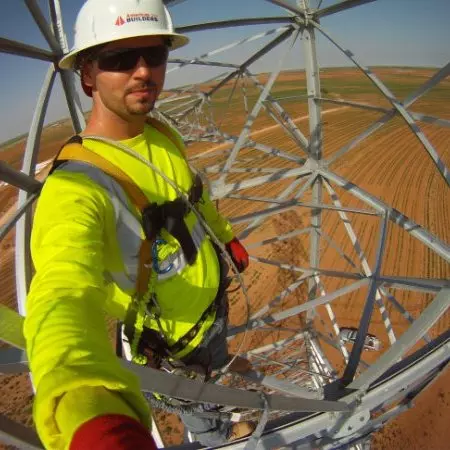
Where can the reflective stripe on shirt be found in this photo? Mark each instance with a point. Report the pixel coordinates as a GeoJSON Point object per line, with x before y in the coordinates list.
{"type": "Point", "coordinates": [129, 230]}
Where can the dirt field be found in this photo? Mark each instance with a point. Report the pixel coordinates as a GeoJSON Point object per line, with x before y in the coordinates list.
{"type": "Point", "coordinates": [390, 165]}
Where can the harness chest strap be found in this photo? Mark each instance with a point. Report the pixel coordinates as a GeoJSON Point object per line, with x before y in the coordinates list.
{"type": "Point", "coordinates": [166, 131]}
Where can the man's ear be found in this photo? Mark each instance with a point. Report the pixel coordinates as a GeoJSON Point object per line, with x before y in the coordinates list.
{"type": "Point", "coordinates": [87, 77]}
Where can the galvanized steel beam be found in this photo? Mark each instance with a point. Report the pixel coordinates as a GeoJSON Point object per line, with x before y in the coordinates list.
{"type": "Point", "coordinates": [254, 225]}
{"type": "Point", "coordinates": [267, 48]}
{"type": "Point", "coordinates": [228, 47]}
{"type": "Point", "coordinates": [153, 380]}
{"type": "Point", "coordinates": [13, 360]}
{"type": "Point", "coordinates": [18, 435]}
{"type": "Point", "coordinates": [300, 430]}
{"type": "Point", "coordinates": [441, 74]}
{"type": "Point", "coordinates": [219, 191]}
{"type": "Point", "coordinates": [279, 238]}
{"type": "Point", "coordinates": [398, 306]}
{"type": "Point", "coordinates": [276, 346]}
{"type": "Point", "coordinates": [315, 147]}
{"type": "Point", "coordinates": [416, 116]}
{"type": "Point", "coordinates": [279, 385]}
{"type": "Point", "coordinates": [196, 62]}
{"type": "Point", "coordinates": [20, 49]}
{"type": "Point", "coordinates": [293, 130]}
{"type": "Point", "coordinates": [395, 216]}
{"type": "Point", "coordinates": [23, 229]}
{"type": "Point", "coordinates": [233, 23]}
{"type": "Point", "coordinates": [364, 263]}
{"type": "Point", "coordinates": [407, 340]}
{"type": "Point", "coordinates": [258, 105]}
{"type": "Point", "coordinates": [340, 6]}
{"type": "Point", "coordinates": [289, 7]}
{"type": "Point", "coordinates": [363, 326]}
{"type": "Point", "coordinates": [7, 227]}
{"type": "Point", "coordinates": [276, 317]}
{"type": "Point", "coordinates": [284, 293]}
{"type": "Point", "coordinates": [18, 179]}
{"type": "Point", "coordinates": [41, 22]}
{"type": "Point", "coordinates": [273, 210]}
{"type": "Point", "coordinates": [440, 165]}
{"type": "Point", "coordinates": [325, 206]}
{"type": "Point", "coordinates": [67, 76]}
{"type": "Point", "coordinates": [422, 90]}
{"type": "Point", "coordinates": [414, 284]}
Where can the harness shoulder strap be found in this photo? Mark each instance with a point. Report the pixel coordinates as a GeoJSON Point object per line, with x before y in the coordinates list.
{"type": "Point", "coordinates": [76, 152]}
{"type": "Point", "coordinates": [167, 131]}
{"type": "Point", "coordinates": [197, 186]}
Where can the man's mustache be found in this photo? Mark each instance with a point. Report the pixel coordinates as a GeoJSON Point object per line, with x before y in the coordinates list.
{"type": "Point", "coordinates": [141, 87]}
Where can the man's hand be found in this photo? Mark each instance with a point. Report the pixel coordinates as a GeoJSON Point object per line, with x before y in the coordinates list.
{"type": "Point", "coordinates": [112, 432]}
{"type": "Point", "coordinates": [238, 254]}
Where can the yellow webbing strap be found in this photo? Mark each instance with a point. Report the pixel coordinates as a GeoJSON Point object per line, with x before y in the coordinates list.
{"type": "Point", "coordinates": [11, 327]}
{"type": "Point", "coordinates": [76, 152]}
{"type": "Point", "coordinates": [167, 131]}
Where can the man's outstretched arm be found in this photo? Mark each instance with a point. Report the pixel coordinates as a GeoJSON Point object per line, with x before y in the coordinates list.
{"type": "Point", "coordinates": [75, 371]}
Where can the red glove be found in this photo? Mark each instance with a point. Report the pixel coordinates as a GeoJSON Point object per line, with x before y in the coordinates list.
{"type": "Point", "coordinates": [112, 432]}
{"type": "Point", "coordinates": [238, 254]}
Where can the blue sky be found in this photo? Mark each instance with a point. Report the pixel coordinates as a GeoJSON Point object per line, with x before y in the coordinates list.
{"type": "Point", "coordinates": [386, 32]}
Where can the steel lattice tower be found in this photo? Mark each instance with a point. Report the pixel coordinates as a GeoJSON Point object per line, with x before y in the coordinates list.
{"type": "Point", "coordinates": [309, 396]}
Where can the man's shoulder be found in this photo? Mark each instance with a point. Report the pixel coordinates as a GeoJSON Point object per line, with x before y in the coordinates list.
{"type": "Point", "coordinates": [168, 131]}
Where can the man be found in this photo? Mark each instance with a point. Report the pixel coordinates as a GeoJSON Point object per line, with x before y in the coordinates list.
{"type": "Point", "coordinates": [88, 237]}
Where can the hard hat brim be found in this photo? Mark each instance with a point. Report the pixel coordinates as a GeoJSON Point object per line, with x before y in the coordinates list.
{"type": "Point", "coordinates": [68, 60]}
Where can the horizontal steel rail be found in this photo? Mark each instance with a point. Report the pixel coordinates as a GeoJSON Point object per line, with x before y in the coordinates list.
{"type": "Point", "coordinates": [19, 179]}
{"type": "Point", "coordinates": [340, 6]}
{"type": "Point", "coordinates": [16, 434]}
{"type": "Point", "coordinates": [233, 23]}
{"type": "Point", "coordinates": [9, 225]}
{"type": "Point", "coordinates": [395, 216]}
{"type": "Point", "coordinates": [29, 51]}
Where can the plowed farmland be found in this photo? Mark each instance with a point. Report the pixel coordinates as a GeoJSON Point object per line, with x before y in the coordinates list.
{"type": "Point", "coordinates": [391, 165]}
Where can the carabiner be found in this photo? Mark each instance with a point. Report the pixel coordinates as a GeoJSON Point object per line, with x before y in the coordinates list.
{"type": "Point", "coordinates": [155, 263]}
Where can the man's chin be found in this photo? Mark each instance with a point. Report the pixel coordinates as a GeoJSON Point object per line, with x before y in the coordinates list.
{"type": "Point", "coordinates": [140, 110]}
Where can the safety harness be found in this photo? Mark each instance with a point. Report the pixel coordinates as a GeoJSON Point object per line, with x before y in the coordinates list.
{"type": "Point", "coordinates": [169, 215]}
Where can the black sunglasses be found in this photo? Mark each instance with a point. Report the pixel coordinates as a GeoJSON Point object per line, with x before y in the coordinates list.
{"type": "Point", "coordinates": [123, 59]}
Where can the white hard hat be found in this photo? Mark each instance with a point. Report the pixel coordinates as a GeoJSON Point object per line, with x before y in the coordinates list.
{"type": "Point", "coordinates": [102, 21]}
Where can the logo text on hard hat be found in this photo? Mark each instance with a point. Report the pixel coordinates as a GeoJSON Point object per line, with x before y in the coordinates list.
{"type": "Point", "coordinates": [120, 21]}
{"type": "Point", "coordinates": [137, 17]}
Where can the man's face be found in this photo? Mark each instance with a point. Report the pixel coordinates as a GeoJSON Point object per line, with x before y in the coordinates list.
{"type": "Point", "coordinates": [129, 92]}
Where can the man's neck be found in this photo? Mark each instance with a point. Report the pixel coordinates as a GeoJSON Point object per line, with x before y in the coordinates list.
{"type": "Point", "coordinates": [109, 125]}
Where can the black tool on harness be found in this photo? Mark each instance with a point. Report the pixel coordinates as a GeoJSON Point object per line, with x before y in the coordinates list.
{"type": "Point", "coordinates": [170, 215]}
{"type": "Point", "coordinates": [153, 346]}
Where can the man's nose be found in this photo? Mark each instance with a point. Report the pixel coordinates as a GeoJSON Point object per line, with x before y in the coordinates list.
{"type": "Point", "coordinates": [142, 69]}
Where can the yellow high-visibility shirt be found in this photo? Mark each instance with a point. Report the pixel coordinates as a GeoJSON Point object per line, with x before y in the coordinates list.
{"type": "Point", "coordinates": [74, 244]}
